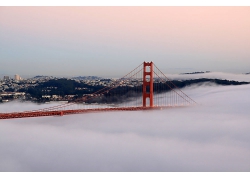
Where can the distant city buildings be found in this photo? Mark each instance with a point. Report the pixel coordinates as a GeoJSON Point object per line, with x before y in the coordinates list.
{"type": "Point", "coordinates": [6, 78]}
{"type": "Point", "coordinates": [11, 87]}
{"type": "Point", "coordinates": [17, 77]}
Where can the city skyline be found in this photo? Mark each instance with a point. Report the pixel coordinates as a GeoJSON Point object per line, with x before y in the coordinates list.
{"type": "Point", "coordinates": [109, 41]}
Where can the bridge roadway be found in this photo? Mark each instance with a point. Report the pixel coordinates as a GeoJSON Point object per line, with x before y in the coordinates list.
{"type": "Point", "coordinates": [68, 112]}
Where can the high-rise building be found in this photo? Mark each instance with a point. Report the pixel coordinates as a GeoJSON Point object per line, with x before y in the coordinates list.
{"type": "Point", "coordinates": [17, 77]}
{"type": "Point", "coordinates": [6, 78]}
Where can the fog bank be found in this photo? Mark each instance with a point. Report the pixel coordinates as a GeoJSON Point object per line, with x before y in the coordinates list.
{"type": "Point", "coordinates": [212, 136]}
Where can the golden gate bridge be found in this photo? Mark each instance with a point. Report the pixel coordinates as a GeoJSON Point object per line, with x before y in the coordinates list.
{"type": "Point", "coordinates": [144, 88]}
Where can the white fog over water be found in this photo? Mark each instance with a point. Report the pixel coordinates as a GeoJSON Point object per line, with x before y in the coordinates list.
{"type": "Point", "coordinates": [211, 136]}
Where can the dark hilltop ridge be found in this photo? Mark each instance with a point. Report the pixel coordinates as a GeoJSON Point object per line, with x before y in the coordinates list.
{"type": "Point", "coordinates": [86, 77]}
{"type": "Point", "coordinates": [247, 73]}
{"type": "Point", "coordinates": [184, 83]}
{"type": "Point", "coordinates": [201, 72]}
{"type": "Point", "coordinates": [40, 76]}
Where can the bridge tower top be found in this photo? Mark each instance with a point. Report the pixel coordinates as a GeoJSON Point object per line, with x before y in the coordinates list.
{"type": "Point", "coordinates": [148, 84]}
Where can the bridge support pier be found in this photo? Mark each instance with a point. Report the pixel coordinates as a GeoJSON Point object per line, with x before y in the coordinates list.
{"type": "Point", "coordinates": [148, 84]}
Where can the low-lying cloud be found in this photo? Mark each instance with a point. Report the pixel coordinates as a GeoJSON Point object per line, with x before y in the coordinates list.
{"type": "Point", "coordinates": [211, 136]}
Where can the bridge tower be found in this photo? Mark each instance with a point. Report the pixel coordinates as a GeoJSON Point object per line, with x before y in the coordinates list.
{"type": "Point", "coordinates": [148, 84]}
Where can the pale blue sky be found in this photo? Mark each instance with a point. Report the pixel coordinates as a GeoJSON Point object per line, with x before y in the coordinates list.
{"type": "Point", "coordinates": [111, 41]}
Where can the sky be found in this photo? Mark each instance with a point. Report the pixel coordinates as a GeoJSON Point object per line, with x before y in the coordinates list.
{"type": "Point", "coordinates": [211, 136]}
{"type": "Point", "coordinates": [111, 41]}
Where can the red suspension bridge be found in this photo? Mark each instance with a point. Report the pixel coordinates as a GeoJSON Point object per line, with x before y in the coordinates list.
{"type": "Point", "coordinates": [144, 88]}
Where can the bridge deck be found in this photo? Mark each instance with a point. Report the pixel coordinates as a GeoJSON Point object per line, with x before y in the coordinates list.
{"type": "Point", "coordinates": [68, 112]}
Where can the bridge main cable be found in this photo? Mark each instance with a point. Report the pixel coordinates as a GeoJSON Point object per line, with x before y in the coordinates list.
{"type": "Point", "coordinates": [175, 85]}
{"type": "Point", "coordinates": [116, 83]}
